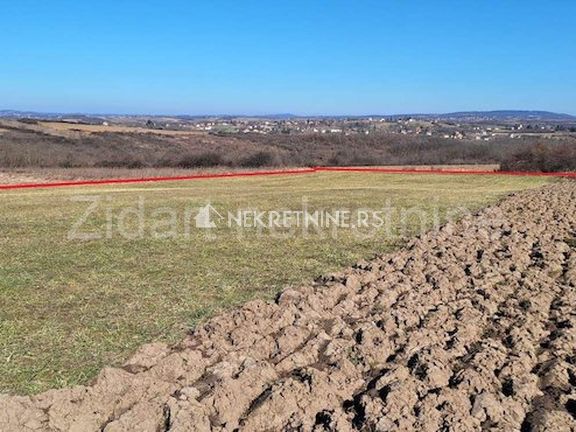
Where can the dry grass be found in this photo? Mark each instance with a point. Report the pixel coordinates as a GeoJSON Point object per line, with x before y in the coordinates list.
{"type": "Point", "coordinates": [44, 175]}
{"type": "Point", "coordinates": [71, 307]}
{"type": "Point", "coordinates": [72, 127]}
{"type": "Point", "coordinates": [457, 167]}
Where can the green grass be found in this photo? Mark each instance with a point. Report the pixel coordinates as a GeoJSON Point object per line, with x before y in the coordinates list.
{"type": "Point", "coordinates": [68, 308]}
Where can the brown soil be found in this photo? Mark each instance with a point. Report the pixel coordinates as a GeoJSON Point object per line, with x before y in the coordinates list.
{"type": "Point", "coordinates": [468, 328]}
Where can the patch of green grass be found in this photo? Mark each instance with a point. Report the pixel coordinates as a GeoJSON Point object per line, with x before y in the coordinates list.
{"type": "Point", "coordinates": [70, 307]}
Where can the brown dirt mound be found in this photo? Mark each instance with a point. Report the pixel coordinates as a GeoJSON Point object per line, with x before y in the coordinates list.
{"type": "Point", "coordinates": [468, 328]}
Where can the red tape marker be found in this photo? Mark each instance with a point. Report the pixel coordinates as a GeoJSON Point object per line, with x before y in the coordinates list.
{"type": "Point", "coordinates": [447, 171]}
{"type": "Point", "coordinates": [312, 170]}
{"type": "Point", "coordinates": [156, 179]}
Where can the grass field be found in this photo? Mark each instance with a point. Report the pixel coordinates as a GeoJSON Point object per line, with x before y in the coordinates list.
{"type": "Point", "coordinates": [70, 307]}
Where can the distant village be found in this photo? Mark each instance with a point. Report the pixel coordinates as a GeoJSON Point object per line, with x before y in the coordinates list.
{"type": "Point", "coordinates": [479, 128]}
{"type": "Point", "coordinates": [481, 131]}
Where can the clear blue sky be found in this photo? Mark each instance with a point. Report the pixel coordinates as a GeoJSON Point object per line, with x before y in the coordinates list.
{"type": "Point", "coordinates": [298, 56]}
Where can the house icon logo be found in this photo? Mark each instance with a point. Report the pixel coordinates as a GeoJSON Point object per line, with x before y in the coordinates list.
{"type": "Point", "coordinates": [204, 217]}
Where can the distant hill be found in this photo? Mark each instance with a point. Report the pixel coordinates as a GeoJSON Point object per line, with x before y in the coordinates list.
{"type": "Point", "coordinates": [472, 116]}
{"type": "Point", "coordinates": [18, 114]}
{"type": "Point", "coordinates": [508, 115]}
{"type": "Point", "coordinates": [41, 115]}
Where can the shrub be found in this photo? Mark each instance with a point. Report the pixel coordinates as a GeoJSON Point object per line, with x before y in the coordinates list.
{"type": "Point", "coordinates": [542, 157]}
{"type": "Point", "coordinates": [121, 163]}
{"type": "Point", "coordinates": [259, 159]}
{"type": "Point", "coordinates": [354, 158]}
{"type": "Point", "coordinates": [202, 160]}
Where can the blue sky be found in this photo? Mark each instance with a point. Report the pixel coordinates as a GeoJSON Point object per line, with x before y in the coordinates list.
{"type": "Point", "coordinates": [297, 56]}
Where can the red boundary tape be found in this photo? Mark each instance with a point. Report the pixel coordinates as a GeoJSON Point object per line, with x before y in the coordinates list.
{"type": "Point", "coordinates": [312, 170]}
{"type": "Point", "coordinates": [448, 171]}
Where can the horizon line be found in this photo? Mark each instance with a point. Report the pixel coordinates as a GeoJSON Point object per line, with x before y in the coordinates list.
{"type": "Point", "coordinates": [277, 114]}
